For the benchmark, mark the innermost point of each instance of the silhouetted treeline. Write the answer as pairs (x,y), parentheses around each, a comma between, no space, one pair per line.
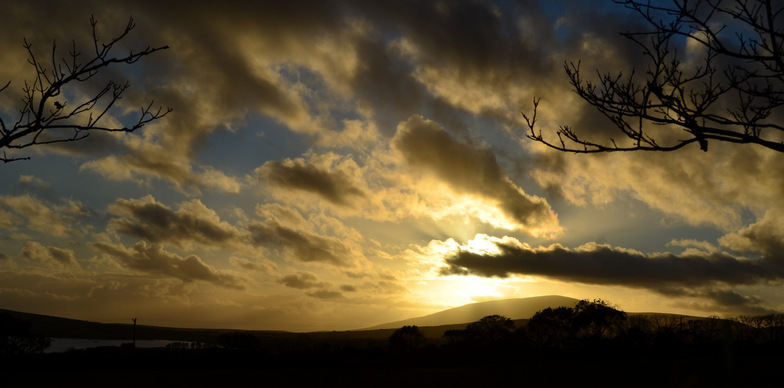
(589,337)
(589,325)
(598,329)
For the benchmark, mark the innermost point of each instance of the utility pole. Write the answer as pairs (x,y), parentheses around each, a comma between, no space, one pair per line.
(134,332)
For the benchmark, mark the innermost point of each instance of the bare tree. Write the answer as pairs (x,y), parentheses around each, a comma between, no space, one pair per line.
(47,117)
(733,92)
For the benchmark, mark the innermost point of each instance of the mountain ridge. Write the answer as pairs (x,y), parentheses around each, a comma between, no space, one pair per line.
(516,308)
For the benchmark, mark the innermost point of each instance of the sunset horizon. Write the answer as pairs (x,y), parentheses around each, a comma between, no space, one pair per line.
(331,166)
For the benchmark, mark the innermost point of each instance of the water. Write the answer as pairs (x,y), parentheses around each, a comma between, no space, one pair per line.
(64,344)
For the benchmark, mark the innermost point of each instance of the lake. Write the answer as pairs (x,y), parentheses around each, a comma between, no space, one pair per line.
(64,344)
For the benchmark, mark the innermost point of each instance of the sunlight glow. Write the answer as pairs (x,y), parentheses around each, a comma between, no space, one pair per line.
(482,244)
(453,291)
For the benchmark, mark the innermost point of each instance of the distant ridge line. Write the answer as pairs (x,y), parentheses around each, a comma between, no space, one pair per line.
(518,308)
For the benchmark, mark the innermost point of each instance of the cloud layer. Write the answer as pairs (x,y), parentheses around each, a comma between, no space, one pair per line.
(335,187)
(470,169)
(666,273)
(156,261)
(150,220)
(318,150)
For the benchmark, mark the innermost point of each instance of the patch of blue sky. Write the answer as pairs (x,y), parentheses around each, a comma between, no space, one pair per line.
(625,223)
(260,139)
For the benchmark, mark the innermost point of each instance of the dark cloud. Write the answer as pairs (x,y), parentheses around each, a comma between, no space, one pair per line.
(49,255)
(151,220)
(385,83)
(334,186)
(212,50)
(726,301)
(302,280)
(252,266)
(208,55)
(303,246)
(700,275)
(763,236)
(324,294)
(156,261)
(478,36)
(732,299)
(468,168)
(348,288)
(215,59)
(602,264)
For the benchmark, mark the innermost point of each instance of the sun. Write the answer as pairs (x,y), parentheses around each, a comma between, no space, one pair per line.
(482,244)
(431,286)
(453,291)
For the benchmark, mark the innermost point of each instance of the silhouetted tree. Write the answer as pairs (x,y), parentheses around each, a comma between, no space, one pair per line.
(455,336)
(711,330)
(16,338)
(46,116)
(552,326)
(490,329)
(715,72)
(406,340)
(562,326)
(761,328)
(595,319)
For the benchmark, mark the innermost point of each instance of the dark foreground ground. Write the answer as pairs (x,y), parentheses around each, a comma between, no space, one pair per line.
(493,352)
(116,367)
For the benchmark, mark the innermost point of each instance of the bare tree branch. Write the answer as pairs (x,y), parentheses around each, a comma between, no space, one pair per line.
(734,94)
(46,119)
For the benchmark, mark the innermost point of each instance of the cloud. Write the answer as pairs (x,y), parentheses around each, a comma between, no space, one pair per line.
(712,300)
(470,169)
(302,246)
(233,66)
(339,80)
(32,183)
(710,276)
(49,255)
(52,219)
(156,261)
(307,281)
(763,236)
(706,275)
(324,294)
(592,263)
(734,302)
(334,186)
(152,160)
(302,280)
(703,246)
(192,222)
(253,265)
(107,297)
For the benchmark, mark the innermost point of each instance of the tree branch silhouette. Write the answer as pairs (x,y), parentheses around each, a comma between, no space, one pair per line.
(45,119)
(733,93)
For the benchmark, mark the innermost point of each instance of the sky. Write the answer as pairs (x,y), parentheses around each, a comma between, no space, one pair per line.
(337,165)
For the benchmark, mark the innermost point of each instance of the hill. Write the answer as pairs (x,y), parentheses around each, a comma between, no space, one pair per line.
(521,308)
(437,323)
(57,327)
